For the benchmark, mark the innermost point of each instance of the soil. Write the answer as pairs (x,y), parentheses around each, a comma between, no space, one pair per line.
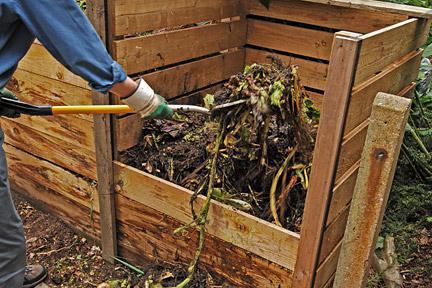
(75,261)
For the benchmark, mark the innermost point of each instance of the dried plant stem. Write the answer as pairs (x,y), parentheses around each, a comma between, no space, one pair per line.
(275,184)
(202,217)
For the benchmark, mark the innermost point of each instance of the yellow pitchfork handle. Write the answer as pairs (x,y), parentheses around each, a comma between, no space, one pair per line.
(92,109)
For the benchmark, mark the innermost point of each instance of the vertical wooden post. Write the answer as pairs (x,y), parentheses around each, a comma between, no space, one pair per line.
(378,164)
(96,11)
(343,63)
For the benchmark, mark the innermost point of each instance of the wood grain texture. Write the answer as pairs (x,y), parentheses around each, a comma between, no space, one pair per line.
(149,233)
(391,80)
(336,100)
(328,268)
(379,6)
(301,41)
(386,46)
(34,175)
(192,76)
(241,229)
(57,151)
(39,61)
(312,74)
(148,52)
(379,161)
(133,16)
(335,17)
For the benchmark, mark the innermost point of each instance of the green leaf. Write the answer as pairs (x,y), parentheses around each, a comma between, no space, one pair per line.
(428,51)
(209,101)
(429,219)
(380,243)
(277,93)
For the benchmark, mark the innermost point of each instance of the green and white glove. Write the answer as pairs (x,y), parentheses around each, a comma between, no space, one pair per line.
(147,103)
(4,111)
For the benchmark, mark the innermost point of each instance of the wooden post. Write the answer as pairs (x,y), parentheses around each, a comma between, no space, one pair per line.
(343,63)
(378,164)
(96,11)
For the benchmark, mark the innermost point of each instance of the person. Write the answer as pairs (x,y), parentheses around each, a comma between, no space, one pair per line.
(66,32)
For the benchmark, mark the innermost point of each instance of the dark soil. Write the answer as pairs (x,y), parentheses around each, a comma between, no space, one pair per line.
(75,261)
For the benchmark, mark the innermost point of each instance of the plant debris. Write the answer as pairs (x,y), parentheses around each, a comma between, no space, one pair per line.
(255,156)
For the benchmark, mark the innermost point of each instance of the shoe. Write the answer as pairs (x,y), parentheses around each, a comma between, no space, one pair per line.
(34,275)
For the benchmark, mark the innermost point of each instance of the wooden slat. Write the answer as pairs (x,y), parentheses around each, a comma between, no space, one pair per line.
(379,161)
(241,229)
(57,151)
(66,128)
(333,234)
(286,38)
(39,61)
(337,94)
(149,234)
(312,74)
(340,18)
(132,16)
(148,52)
(195,75)
(386,46)
(379,6)
(328,268)
(317,98)
(40,90)
(392,80)
(34,175)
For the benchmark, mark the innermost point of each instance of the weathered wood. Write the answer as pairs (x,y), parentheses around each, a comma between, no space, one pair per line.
(328,268)
(104,149)
(35,175)
(149,234)
(386,46)
(337,94)
(241,229)
(66,128)
(144,53)
(340,18)
(379,160)
(392,80)
(379,6)
(71,157)
(312,74)
(195,75)
(39,61)
(133,16)
(286,38)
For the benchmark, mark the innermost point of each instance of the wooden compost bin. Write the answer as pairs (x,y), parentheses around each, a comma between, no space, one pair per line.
(347,52)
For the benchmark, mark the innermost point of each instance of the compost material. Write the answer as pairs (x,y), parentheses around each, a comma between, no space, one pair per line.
(255,156)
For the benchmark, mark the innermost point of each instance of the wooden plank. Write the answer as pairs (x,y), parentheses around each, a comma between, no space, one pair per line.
(333,235)
(149,234)
(317,98)
(392,80)
(195,75)
(67,128)
(133,16)
(342,193)
(301,41)
(334,17)
(39,61)
(328,268)
(384,47)
(379,6)
(337,94)
(56,151)
(144,53)
(379,160)
(240,229)
(312,74)
(32,174)
(40,90)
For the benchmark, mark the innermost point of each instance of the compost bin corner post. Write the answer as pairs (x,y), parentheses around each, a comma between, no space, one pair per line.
(342,70)
(377,168)
(97,12)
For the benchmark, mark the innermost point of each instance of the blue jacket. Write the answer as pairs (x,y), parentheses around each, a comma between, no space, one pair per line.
(65,31)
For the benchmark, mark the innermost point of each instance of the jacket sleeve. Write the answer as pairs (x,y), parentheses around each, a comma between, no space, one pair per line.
(68,35)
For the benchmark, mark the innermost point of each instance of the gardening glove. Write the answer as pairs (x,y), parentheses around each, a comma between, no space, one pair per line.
(147,103)
(4,111)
